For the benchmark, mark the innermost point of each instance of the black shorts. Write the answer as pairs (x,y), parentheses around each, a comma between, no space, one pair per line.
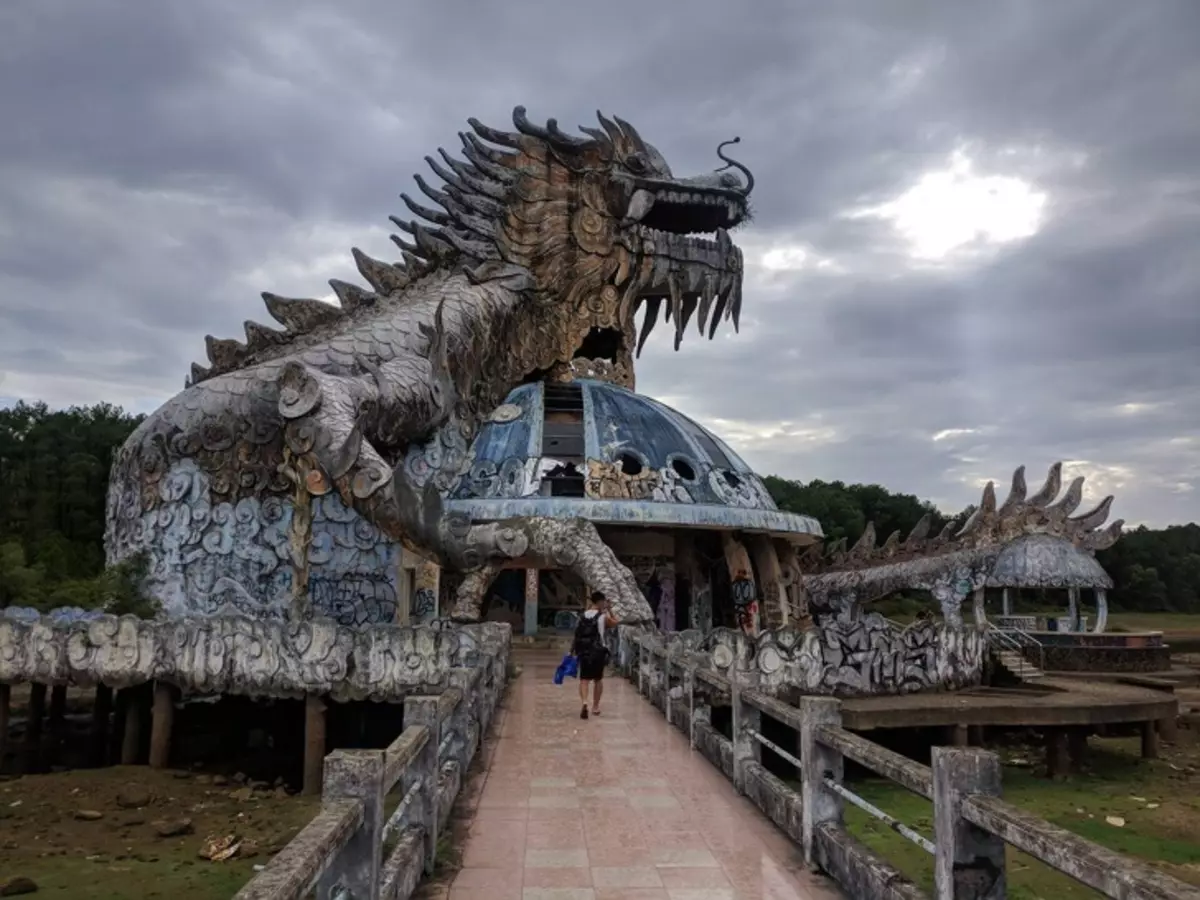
(591,666)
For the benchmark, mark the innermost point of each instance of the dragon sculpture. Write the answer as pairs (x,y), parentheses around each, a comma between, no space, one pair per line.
(958,561)
(535,255)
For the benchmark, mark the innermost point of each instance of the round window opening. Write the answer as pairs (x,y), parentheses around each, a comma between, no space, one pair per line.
(630,464)
(683,469)
(732,480)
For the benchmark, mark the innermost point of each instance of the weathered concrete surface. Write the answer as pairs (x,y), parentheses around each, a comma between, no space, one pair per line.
(242,655)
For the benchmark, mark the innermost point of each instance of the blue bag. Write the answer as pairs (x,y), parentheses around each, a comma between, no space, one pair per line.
(568,668)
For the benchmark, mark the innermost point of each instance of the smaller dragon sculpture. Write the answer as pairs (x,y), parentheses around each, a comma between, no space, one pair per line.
(957,561)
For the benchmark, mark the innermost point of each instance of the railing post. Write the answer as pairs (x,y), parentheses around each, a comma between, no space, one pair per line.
(969,862)
(689,692)
(424,810)
(641,664)
(746,718)
(818,805)
(667,684)
(358,775)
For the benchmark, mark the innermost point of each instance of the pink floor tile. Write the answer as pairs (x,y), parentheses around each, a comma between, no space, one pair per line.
(615,808)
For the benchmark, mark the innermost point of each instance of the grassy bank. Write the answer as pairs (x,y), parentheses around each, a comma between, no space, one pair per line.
(1156,804)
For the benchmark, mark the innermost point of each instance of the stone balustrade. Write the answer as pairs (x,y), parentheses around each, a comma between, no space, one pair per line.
(972,823)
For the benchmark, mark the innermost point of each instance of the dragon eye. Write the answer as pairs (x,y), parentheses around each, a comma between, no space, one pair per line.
(636,163)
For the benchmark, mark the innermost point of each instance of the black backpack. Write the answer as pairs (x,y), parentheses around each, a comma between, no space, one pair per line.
(587,636)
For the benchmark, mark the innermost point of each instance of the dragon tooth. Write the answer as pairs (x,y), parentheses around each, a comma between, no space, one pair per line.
(716,316)
(676,306)
(735,303)
(660,272)
(640,204)
(707,294)
(652,306)
(689,306)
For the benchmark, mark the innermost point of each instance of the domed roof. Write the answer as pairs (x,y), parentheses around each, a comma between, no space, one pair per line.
(596,450)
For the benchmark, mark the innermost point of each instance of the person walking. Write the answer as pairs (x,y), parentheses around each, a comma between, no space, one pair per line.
(589,648)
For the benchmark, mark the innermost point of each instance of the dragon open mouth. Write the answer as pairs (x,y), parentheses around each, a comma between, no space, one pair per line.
(684,271)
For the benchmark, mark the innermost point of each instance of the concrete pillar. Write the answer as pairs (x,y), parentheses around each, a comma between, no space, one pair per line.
(1058,757)
(1149,740)
(131,738)
(1073,608)
(428,588)
(1101,610)
(531,601)
(33,727)
(743,591)
(1077,747)
(101,708)
(958,736)
(818,805)
(58,714)
(357,775)
(1005,603)
(1168,729)
(314,743)
(771,582)
(746,718)
(979,607)
(969,862)
(796,600)
(685,578)
(162,722)
(975,735)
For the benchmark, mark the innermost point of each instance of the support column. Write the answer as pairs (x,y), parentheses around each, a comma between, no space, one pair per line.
(1101,610)
(33,727)
(958,736)
(1077,747)
(1058,756)
(314,743)
(795,599)
(162,721)
(101,708)
(1005,603)
(685,579)
(742,589)
(531,601)
(979,606)
(770,574)
(969,862)
(1149,740)
(425,599)
(1168,729)
(1073,608)
(58,713)
(131,739)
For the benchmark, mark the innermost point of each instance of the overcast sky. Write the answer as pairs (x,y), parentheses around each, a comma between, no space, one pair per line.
(977,232)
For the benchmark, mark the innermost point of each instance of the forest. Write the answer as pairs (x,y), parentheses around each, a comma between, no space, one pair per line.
(54,468)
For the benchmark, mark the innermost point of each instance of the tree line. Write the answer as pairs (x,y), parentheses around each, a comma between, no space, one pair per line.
(54,467)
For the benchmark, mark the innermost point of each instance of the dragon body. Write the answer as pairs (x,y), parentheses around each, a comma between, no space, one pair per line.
(287,472)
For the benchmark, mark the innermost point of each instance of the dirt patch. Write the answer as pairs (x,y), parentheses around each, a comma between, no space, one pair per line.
(128,833)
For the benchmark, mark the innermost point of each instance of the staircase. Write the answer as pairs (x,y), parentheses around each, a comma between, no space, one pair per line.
(1014,662)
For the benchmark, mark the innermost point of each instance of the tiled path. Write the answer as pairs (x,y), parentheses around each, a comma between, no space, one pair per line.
(615,807)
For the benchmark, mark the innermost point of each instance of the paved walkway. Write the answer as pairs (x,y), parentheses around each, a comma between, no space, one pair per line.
(615,807)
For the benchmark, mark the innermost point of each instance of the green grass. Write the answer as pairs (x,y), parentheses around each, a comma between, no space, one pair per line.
(1117,783)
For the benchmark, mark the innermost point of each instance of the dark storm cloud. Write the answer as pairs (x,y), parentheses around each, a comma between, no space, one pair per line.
(161,163)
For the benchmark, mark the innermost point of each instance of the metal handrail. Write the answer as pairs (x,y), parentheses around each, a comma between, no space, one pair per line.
(1014,638)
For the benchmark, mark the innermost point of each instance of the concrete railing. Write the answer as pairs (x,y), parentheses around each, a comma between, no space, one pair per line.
(972,824)
(356,848)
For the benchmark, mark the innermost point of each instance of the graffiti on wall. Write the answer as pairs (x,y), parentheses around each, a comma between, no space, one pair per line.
(745,601)
(425,593)
(701,611)
(355,599)
(857,654)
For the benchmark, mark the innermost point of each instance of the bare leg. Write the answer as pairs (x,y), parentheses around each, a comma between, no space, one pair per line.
(596,692)
(583,691)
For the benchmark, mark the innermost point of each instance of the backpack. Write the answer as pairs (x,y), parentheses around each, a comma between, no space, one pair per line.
(587,636)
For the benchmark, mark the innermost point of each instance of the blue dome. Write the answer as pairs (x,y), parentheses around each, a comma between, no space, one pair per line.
(596,450)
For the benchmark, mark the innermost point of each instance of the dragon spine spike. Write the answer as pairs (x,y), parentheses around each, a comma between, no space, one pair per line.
(920,531)
(300,316)
(503,138)
(1070,500)
(1016,493)
(437,217)
(1049,490)
(385,278)
(866,542)
(1093,518)
(351,296)
(259,336)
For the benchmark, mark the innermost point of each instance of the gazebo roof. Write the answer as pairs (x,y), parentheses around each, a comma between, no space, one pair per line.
(1043,560)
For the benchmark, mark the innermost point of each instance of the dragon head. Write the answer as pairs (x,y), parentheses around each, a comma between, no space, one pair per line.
(594,227)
